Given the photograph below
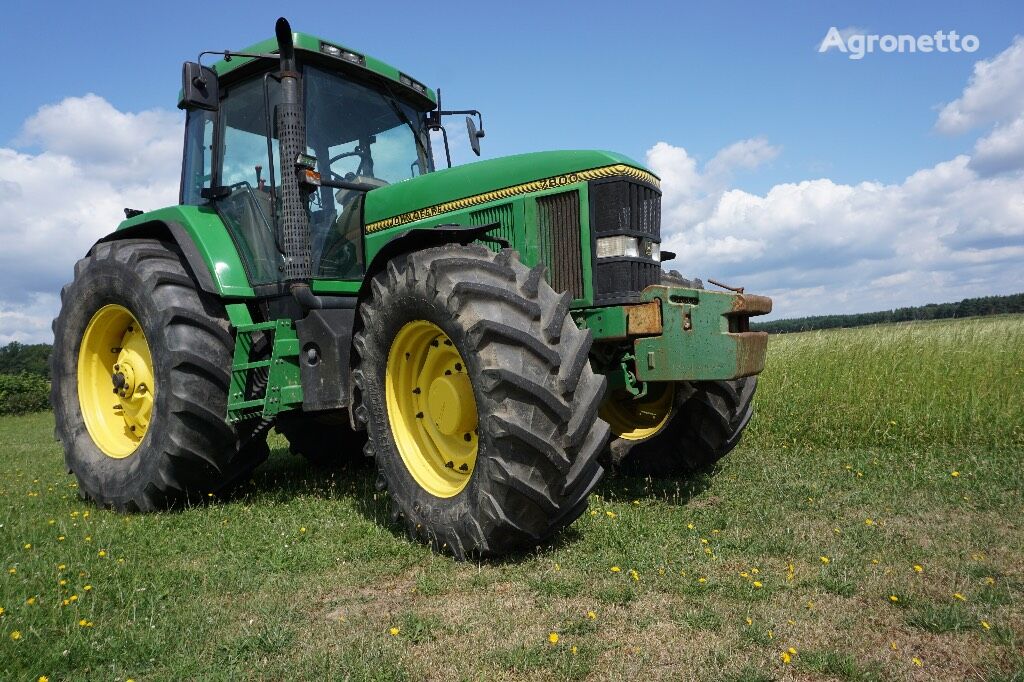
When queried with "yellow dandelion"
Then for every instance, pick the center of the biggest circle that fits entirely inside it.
(62, 582)
(28, 545)
(744, 574)
(51, 522)
(917, 661)
(824, 559)
(984, 624)
(893, 598)
(810, 605)
(990, 580)
(749, 621)
(592, 615)
(88, 538)
(102, 553)
(892, 645)
(786, 658)
(874, 562)
(16, 635)
(634, 575)
(573, 650)
(869, 522)
(66, 602)
(302, 530)
(12, 570)
(87, 588)
(792, 651)
(73, 598)
(593, 512)
(60, 538)
(61, 567)
(958, 596)
(615, 569)
(43, 678)
(757, 584)
(954, 474)
(703, 541)
(394, 632)
(702, 580)
(558, 567)
(30, 601)
(1, 611)
(611, 514)
(553, 637)
(690, 526)
(754, 570)
(918, 568)
(85, 623)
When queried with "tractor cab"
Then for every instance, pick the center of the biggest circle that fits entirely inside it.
(363, 125)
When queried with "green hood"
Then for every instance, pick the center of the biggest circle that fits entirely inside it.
(478, 178)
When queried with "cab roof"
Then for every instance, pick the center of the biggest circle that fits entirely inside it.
(316, 44)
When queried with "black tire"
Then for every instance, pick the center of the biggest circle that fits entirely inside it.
(537, 398)
(324, 442)
(708, 421)
(189, 449)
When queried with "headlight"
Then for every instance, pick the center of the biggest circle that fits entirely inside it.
(620, 245)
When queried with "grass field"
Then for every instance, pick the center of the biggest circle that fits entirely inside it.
(869, 527)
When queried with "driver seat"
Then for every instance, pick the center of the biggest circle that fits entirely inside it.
(348, 231)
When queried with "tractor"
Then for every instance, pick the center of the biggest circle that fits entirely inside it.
(493, 335)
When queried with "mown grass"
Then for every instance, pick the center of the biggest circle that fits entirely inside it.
(870, 521)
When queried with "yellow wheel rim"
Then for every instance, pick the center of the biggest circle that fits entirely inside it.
(431, 408)
(115, 381)
(639, 419)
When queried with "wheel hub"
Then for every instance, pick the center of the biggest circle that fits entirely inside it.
(114, 349)
(432, 408)
(633, 419)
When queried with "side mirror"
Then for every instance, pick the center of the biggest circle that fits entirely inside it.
(199, 87)
(474, 135)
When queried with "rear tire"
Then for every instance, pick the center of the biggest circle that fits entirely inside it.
(538, 435)
(188, 449)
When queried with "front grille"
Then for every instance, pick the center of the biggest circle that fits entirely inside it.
(558, 237)
(624, 207)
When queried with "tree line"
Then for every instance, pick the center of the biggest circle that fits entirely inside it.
(968, 307)
(34, 358)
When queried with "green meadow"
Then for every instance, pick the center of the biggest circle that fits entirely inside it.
(867, 528)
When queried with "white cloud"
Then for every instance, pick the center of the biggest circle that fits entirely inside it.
(1000, 151)
(90, 162)
(946, 232)
(994, 93)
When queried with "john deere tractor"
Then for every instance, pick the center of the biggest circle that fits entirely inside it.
(490, 334)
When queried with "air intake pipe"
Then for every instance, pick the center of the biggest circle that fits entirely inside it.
(290, 120)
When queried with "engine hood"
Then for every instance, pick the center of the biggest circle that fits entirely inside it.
(423, 196)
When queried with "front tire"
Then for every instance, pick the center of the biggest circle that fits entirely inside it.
(708, 421)
(480, 403)
(140, 371)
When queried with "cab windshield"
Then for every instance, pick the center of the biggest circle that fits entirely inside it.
(358, 133)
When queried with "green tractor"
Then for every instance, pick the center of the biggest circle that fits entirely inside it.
(490, 334)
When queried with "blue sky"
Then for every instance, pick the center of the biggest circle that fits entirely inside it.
(699, 78)
(569, 75)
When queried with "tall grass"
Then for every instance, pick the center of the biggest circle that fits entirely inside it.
(945, 383)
